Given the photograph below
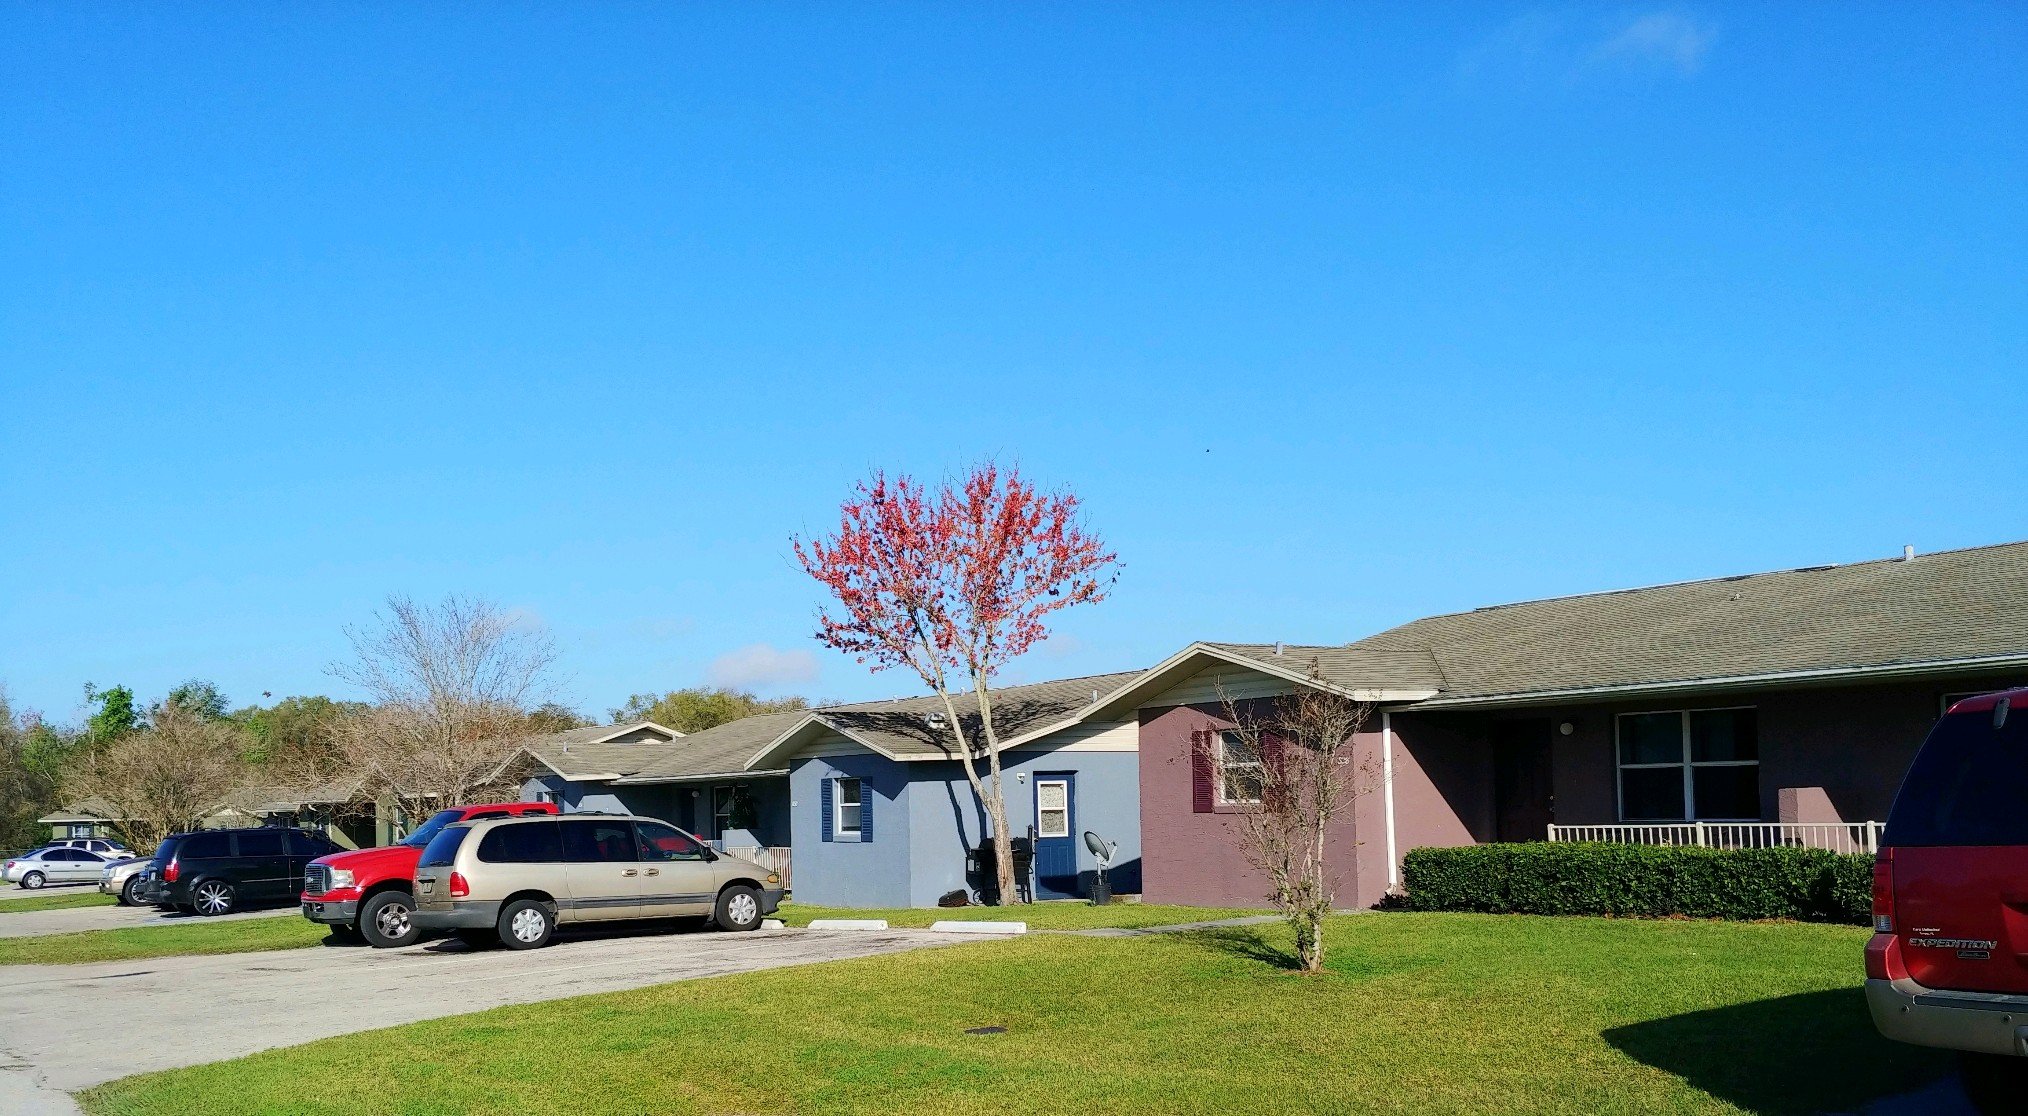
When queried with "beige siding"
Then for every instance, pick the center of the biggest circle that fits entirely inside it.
(832, 744)
(1097, 736)
(1203, 688)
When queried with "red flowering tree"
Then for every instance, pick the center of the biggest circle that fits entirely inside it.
(953, 584)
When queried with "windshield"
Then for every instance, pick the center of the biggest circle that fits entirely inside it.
(421, 837)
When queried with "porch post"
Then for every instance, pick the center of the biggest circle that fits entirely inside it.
(1387, 795)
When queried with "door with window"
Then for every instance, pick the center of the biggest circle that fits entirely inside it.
(1524, 800)
(676, 873)
(263, 864)
(1055, 835)
(602, 868)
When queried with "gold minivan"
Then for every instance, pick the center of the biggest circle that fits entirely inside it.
(516, 879)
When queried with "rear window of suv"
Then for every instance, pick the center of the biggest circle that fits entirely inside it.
(1967, 784)
(204, 846)
(442, 851)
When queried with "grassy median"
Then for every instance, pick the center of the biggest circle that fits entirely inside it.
(1058, 915)
(1417, 1013)
(60, 901)
(288, 931)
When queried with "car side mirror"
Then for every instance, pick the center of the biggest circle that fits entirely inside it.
(709, 855)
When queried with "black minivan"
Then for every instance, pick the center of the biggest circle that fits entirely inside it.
(215, 871)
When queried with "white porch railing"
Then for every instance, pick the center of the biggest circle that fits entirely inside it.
(773, 858)
(1841, 837)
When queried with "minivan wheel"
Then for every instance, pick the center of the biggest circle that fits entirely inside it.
(32, 880)
(211, 898)
(738, 908)
(385, 920)
(525, 924)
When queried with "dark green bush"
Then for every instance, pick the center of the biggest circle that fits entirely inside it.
(1570, 878)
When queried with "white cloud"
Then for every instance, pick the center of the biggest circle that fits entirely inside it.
(762, 666)
(1668, 39)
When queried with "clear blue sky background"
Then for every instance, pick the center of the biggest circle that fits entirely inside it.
(1337, 315)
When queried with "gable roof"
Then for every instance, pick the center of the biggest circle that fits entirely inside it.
(720, 751)
(591, 753)
(900, 728)
(83, 810)
(1359, 674)
(1953, 610)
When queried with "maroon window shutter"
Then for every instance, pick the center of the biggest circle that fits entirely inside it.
(1203, 756)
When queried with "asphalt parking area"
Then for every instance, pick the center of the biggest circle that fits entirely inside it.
(66, 1027)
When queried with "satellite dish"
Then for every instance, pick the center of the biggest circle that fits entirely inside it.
(1101, 849)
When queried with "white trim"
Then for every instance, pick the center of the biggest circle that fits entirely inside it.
(1064, 810)
(1691, 685)
(1387, 793)
(787, 737)
(1218, 767)
(838, 829)
(622, 730)
(702, 777)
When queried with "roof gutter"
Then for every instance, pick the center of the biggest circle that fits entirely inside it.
(639, 780)
(1727, 682)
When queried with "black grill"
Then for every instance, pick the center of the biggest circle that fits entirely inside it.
(316, 879)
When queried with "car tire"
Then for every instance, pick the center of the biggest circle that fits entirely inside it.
(525, 924)
(738, 908)
(127, 898)
(33, 880)
(212, 898)
(386, 920)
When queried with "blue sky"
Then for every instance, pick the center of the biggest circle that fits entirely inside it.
(1336, 315)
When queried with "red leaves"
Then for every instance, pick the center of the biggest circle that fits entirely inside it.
(963, 577)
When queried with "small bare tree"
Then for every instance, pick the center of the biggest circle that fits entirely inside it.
(1289, 767)
(452, 685)
(165, 777)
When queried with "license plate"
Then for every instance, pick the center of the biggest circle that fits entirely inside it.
(429, 886)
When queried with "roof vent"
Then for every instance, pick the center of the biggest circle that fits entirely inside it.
(1908, 553)
(935, 719)
(1094, 697)
(1278, 647)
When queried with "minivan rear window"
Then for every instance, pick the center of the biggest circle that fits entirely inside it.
(525, 843)
(443, 848)
(1967, 785)
(204, 846)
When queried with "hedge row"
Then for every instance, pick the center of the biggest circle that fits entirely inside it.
(1571, 878)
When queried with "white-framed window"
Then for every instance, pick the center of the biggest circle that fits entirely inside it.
(845, 808)
(81, 830)
(1689, 765)
(1052, 807)
(1240, 772)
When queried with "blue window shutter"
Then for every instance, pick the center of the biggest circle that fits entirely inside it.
(824, 799)
(865, 810)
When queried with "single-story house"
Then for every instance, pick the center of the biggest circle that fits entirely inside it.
(91, 817)
(1767, 708)
(881, 815)
(337, 809)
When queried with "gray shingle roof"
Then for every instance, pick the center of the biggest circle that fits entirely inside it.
(1933, 608)
(1349, 667)
(715, 751)
(575, 753)
(901, 726)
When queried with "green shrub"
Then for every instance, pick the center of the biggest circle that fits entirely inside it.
(1571, 878)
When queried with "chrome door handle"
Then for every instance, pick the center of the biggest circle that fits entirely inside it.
(652, 872)
(630, 872)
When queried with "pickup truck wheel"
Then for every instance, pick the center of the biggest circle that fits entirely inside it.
(32, 880)
(385, 920)
(525, 924)
(738, 908)
(211, 898)
(127, 898)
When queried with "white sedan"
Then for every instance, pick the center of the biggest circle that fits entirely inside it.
(54, 865)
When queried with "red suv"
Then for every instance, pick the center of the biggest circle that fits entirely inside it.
(366, 893)
(1948, 962)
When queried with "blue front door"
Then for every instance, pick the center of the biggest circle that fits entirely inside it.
(1056, 835)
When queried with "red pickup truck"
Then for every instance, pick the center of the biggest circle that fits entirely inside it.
(366, 894)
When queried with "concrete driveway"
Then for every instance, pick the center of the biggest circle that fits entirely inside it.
(35, 924)
(66, 1027)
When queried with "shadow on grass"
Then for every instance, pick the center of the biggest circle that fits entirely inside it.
(1238, 941)
(1808, 1053)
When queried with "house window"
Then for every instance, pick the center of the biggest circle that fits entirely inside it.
(1052, 808)
(81, 830)
(1240, 771)
(548, 796)
(1689, 765)
(721, 812)
(845, 808)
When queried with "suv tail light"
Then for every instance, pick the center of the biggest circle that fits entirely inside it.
(171, 871)
(1883, 891)
(459, 888)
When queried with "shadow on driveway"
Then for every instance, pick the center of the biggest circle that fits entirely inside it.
(1813, 1052)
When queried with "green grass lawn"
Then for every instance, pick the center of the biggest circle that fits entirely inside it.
(240, 936)
(58, 901)
(1063, 915)
(1416, 1013)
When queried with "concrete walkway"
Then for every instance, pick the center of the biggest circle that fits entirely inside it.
(36, 924)
(66, 1027)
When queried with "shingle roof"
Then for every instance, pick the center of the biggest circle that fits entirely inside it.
(84, 810)
(576, 753)
(1348, 667)
(901, 726)
(716, 751)
(1933, 608)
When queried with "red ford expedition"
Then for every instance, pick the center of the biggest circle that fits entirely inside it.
(365, 893)
(1948, 962)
